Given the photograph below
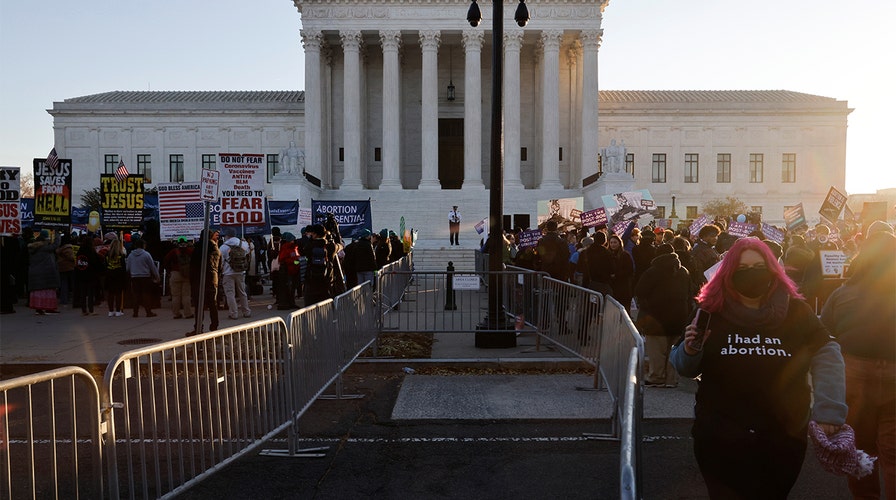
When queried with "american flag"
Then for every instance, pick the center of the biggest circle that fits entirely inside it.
(121, 173)
(52, 159)
(182, 204)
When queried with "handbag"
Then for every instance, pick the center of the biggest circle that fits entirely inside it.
(275, 265)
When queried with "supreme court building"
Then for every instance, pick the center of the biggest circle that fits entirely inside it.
(396, 108)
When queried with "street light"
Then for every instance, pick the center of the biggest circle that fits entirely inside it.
(495, 330)
(673, 217)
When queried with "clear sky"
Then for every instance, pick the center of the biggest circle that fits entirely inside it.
(51, 50)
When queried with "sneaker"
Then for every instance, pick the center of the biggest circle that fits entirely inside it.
(247, 315)
(233, 316)
(670, 386)
(39, 312)
(151, 314)
(111, 314)
(188, 317)
(53, 311)
(93, 313)
(119, 313)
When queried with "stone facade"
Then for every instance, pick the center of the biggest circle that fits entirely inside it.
(375, 121)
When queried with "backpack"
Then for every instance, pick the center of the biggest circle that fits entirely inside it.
(319, 265)
(183, 261)
(238, 258)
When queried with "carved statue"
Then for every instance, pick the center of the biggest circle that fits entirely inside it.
(614, 157)
(292, 160)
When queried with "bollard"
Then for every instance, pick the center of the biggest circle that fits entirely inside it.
(450, 304)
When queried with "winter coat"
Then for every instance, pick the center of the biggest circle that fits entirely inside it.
(596, 265)
(664, 297)
(621, 271)
(42, 272)
(65, 258)
(705, 256)
(552, 255)
(140, 265)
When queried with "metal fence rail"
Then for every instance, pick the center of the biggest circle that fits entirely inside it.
(570, 317)
(50, 444)
(456, 302)
(178, 411)
(630, 439)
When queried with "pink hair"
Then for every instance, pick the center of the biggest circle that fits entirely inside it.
(720, 288)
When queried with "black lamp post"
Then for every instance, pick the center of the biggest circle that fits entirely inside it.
(495, 331)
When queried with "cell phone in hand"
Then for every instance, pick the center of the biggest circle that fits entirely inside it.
(702, 324)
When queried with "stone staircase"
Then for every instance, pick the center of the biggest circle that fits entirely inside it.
(428, 258)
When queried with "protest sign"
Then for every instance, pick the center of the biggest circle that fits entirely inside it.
(595, 218)
(52, 194)
(284, 213)
(698, 224)
(529, 239)
(741, 229)
(563, 210)
(832, 205)
(181, 210)
(352, 216)
(242, 189)
(795, 217)
(832, 263)
(480, 226)
(773, 233)
(122, 201)
(10, 190)
(628, 206)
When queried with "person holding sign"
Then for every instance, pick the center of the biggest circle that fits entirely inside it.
(753, 357)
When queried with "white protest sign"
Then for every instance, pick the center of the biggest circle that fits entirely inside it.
(208, 183)
(242, 189)
(832, 263)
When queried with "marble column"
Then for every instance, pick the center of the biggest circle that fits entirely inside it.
(391, 41)
(429, 45)
(311, 40)
(513, 40)
(351, 108)
(473, 109)
(550, 110)
(590, 45)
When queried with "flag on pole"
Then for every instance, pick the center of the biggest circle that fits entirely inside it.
(121, 173)
(52, 159)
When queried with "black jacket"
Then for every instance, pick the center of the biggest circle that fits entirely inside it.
(664, 294)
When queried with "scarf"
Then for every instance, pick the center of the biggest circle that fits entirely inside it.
(772, 310)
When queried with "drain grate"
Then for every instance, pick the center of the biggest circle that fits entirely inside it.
(139, 341)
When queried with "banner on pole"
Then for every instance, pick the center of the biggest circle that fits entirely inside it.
(52, 194)
(242, 189)
(10, 191)
(352, 216)
(122, 201)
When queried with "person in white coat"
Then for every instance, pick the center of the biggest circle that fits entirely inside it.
(234, 277)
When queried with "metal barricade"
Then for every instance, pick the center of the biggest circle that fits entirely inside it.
(630, 439)
(391, 282)
(50, 444)
(178, 411)
(439, 302)
(570, 317)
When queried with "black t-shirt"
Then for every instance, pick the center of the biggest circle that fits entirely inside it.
(758, 377)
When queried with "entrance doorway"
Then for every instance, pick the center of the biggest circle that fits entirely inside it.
(451, 152)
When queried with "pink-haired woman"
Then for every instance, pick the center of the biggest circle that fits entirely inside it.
(753, 402)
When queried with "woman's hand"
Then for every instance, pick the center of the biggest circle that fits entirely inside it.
(691, 335)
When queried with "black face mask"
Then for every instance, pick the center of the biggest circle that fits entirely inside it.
(753, 282)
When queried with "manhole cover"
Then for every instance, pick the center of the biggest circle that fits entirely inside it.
(139, 341)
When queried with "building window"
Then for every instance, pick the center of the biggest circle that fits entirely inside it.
(723, 167)
(110, 164)
(561, 155)
(377, 154)
(144, 167)
(658, 167)
(273, 162)
(691, 168)
(209, 162)
(630, 163)
(756, 167)
(788, 167)
(524, 154)
(176, 168)
(341, 154)
(660, 212)
(690, 212)
(756, 209)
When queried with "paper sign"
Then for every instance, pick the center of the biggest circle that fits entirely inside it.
(465, 281)
(832, 263)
